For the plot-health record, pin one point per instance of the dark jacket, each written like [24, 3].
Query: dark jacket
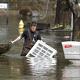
[30, 38]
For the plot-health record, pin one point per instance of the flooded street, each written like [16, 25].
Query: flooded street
[15, 67]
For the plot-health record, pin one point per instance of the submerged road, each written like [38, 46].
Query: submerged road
[15, 67]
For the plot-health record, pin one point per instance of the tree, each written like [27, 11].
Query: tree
[63, 12]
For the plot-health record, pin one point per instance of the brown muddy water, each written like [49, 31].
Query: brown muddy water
[15, 67]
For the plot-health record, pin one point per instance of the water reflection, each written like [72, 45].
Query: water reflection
[20, 66]
[32, 68]
[13, 68]
[42, 66]
[59, 72]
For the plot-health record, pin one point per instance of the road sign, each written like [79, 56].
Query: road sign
[71, 49]
[42, 50]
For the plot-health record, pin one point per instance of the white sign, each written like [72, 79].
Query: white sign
[42, 50]
[71, 49]
[3, 5]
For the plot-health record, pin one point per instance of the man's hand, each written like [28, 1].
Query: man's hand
[17, 39]
[12, 42]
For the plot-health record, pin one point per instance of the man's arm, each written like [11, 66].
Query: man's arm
[17, 39]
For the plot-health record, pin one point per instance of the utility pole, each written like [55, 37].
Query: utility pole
[73, 18]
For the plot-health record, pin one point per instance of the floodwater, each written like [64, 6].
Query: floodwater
[15, 67]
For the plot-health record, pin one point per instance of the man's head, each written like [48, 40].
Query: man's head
[33, 26]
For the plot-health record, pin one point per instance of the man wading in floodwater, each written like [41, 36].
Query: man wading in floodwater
[31, 35]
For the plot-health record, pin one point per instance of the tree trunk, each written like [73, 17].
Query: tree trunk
[58, 12]
[63, 12]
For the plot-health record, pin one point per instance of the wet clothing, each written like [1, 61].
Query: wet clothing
[30, 38]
